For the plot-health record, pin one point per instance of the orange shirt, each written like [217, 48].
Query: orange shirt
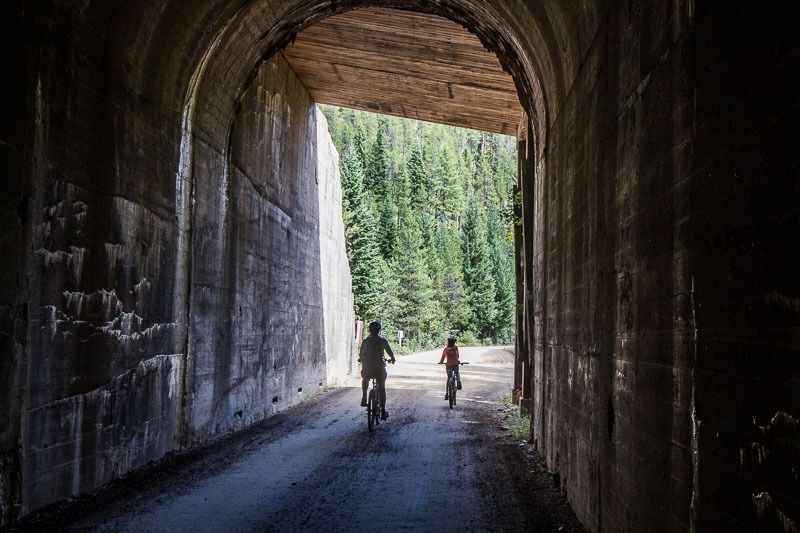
[451, 354]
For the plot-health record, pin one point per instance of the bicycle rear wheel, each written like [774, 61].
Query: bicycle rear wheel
[370, 403]
[451, 391]
[376, 407]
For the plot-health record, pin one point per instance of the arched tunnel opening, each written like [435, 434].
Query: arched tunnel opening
[166, 217]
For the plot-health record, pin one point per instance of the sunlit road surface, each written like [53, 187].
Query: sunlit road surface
[316, 467]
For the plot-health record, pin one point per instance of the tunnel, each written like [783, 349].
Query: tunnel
[173, 266]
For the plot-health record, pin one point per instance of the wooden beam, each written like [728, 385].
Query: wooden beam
[406, 64]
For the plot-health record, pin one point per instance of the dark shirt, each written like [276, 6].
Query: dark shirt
[371, 352]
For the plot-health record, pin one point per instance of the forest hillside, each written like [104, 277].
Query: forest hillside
[428, 220]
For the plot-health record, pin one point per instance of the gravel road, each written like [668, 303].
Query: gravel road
[316, 467]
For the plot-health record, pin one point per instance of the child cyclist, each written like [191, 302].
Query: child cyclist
[450, 359]
[371, 356]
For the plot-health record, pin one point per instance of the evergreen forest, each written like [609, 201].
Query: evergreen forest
[429, 227]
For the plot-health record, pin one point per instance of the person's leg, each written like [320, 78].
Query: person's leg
[447, 380]
[382, 389]
[458, 377]
[364, 385]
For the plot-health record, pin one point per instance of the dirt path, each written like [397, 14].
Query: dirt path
[316, 467]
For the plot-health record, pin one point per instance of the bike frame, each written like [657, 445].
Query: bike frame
[373, 403]
[452, 388]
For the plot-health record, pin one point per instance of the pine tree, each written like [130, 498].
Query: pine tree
[377, 176]
[501, 253]
[361, 239]
[387, 228]
[451, 293]
[452, 198]
[413, 310]
[418, 176]
[360, 145]
[478, 279]
[421, 258]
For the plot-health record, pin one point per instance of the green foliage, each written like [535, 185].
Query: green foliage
[501, 254]
[478, 278]
[414, 307]
[468, 338]
[418, 177]
[448, 194]
[428, 212]
[360, 146]
[450, 279]
[361, 238]
[387, 228]
[519, 425]
[377, 170]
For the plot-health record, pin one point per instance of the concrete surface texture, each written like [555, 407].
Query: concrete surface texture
[108, 383]
[160, 278]
[337, 289]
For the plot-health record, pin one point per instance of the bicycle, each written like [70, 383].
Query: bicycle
[374, 403]
[452, 386]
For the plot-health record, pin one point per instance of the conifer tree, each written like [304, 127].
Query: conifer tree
[451, 193]
[421, 258]
[418, 176]
[478, 279]
[377, 176]
[387, 228]
[360, 145]
[412, 310]
[451, 294]
[501, 253]
[361, 242]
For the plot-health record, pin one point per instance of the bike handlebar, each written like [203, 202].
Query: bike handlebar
[458, 363]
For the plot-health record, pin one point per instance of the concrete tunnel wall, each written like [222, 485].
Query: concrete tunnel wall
[658, 263]
[107, 386]
[661, 272]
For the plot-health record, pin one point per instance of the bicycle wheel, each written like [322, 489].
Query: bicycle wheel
[451, 391]
[376, 408]
[370, 419]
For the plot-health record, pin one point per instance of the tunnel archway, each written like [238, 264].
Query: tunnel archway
[658, 241]
[226, 70]
[174, 79]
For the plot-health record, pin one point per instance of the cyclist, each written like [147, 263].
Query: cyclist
[450, 358]
[373, 365]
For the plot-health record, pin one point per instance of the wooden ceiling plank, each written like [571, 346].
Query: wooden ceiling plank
[462, 108]
[389, 91]
[366, 59]
[418, 49]
[343, 72]
[332, 75]
[404, 22]
[425, 115]
[406, 64]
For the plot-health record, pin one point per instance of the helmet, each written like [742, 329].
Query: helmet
[374, 327]
[452, 338]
